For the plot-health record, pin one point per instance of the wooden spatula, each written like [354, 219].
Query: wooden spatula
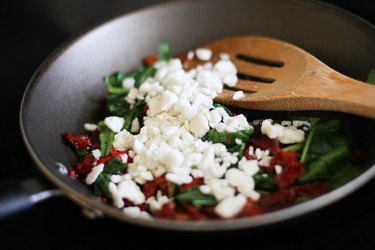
[276, 75]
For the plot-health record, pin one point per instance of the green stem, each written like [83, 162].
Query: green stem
[307, 144]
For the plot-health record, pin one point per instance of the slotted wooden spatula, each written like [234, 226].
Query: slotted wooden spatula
[276, 75]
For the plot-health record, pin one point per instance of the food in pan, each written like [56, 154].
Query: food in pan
[167, 150]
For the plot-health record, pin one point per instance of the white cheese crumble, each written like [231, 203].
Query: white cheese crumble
[238, 95]
[93, 175]
[203, 54]
[90, 126]
[286, 135]
[114, 123]
[230, 206]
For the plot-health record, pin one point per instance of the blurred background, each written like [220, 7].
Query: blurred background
[33, 29]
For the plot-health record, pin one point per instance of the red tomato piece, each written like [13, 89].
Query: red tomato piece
[81, 142]
[310, 189]
[168, 211]
[250, 209]
[195, 182]
[292, 168]
[192, 211]
[83, 168]
[277, 200]
[150, 188]
[150, 60]
[264, 143]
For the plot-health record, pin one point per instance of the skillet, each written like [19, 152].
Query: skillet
[67, 90]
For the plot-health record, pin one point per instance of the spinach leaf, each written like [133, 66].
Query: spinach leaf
[113, 166]
[371, 77]
[345, 174]
[106, 137]
[101, 185]
[195, 197]
[264, 182]
[117, 105]
[327, 165]
[142, 76]
[165, 51]
[113, 83]
[229, 139]
[136, 112]
[218, 105]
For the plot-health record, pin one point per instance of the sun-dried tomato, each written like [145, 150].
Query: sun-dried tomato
[150, 60]
[310, 189]
[150, 188]
[83, 168]
[192, 211]
[277, 200]
[72, 173]
[250, 209]
[195, 182]
[264, 143]
[94, 136]
[168, 211]
[292, 168]
[143, 206]
[182, 57]
[165, 186]
[81, 142]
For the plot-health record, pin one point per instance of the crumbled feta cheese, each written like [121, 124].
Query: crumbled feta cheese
[93, 175]
[199, 125]
[190, 55]
[123, 140]
[249, 167]
[136, 212]
[96, 153]
[286, 135]
[114, 123]
[230, 206]
[135, 125]
[90, 127]
[278, 169]
[130, 190]
[128, 83]
[238, 95]
[203, 54]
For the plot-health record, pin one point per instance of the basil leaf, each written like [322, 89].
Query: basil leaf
[165, 51]
[371, 77]
[114, 166]
[106, 137]
[195, 197]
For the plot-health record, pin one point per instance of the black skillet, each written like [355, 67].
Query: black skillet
[67, 90]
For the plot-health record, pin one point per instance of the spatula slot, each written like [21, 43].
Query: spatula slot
[259, 79]
[260, 61]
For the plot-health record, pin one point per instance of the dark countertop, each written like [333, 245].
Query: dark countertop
[33, 29]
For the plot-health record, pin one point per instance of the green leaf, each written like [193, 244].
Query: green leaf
[114, 166]
[165, 51]
[101, 185]
[325, 166]
[343, 175]
[142, 76]
[106, 137]
[135, 112]
[117, 105]
[371, 77]
[115, 80]
[229, 139]
[265, 182]
[195, 197]
[218, 105]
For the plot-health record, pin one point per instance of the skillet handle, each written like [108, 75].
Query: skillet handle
[17, 196]
[13, 198]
